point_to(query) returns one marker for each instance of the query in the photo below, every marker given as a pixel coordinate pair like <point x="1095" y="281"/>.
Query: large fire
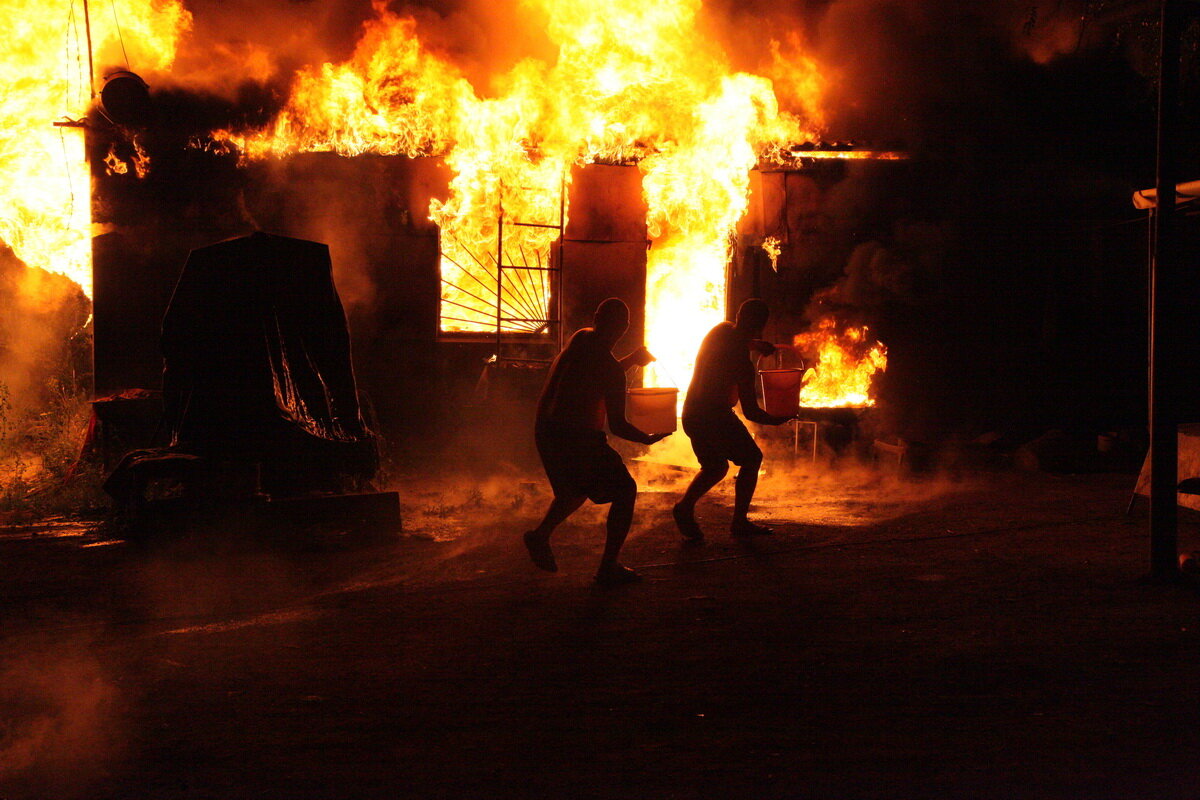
<point x="845" y="362"/>
<point x="633" y="82"/>
<point x="45" y="216"/>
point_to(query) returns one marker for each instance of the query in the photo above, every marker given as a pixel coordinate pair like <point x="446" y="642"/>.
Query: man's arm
<point x="750" y="408"/>
<point x="614" y="406"/>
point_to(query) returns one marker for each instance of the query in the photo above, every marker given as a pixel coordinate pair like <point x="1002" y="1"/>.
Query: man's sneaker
<point x="747" y="528"/>
<point x="616" y="575"/>
<point x="540" y="552"/>
<point x="687" y="524"/>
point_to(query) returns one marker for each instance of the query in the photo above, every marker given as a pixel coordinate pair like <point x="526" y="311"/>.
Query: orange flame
<point x="846" y="361"/>
<point x="632" y="81"/>
<point x="44" y="182"/>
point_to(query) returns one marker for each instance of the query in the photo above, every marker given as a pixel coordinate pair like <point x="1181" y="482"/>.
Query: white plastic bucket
<point x="652" y="410"/>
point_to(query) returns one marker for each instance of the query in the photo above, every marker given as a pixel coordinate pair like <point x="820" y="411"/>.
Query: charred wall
<point x="372" y="211"/>
<point x="604" y="254"/>
<point x="989" y="311"/>
<point x="148" y="226"/>
<point x="869" y="239"/>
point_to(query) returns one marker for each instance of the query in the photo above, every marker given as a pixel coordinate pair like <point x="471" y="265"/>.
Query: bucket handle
<point x="780" y="349"/>
<point x="639" y="371"/>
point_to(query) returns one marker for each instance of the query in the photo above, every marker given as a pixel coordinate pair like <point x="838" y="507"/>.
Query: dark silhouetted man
<point x="586" y="385"/>
<point x="723" y="377"/>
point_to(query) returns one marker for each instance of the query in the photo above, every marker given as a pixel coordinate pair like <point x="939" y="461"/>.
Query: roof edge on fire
<point x="798" y="156"/>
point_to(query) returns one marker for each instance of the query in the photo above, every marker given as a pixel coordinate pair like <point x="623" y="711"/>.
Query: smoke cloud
<point x="61" y="729"/>
<point x="265" y="43"/>
<point x="42" y="316"/>
<point x="890" y="69"/>
<point x="880" y="60"/>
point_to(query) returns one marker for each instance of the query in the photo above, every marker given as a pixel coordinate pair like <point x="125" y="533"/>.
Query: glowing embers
<point x="802" y="155"/>
<point x="120" y="159"/>
<point x="844" y="362"/>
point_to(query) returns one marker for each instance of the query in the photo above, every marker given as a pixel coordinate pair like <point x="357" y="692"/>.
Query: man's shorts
<point x="718" y="437"/>
<point x="578" y="461"/>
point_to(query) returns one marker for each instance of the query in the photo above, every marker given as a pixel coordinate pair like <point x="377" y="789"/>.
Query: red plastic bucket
<point x="781" y="390"/>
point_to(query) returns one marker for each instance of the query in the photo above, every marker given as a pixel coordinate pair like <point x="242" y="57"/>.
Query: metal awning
<point x="1185" y="193"/>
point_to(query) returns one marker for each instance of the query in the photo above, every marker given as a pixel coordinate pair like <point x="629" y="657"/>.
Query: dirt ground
<point x="985" y="637"/>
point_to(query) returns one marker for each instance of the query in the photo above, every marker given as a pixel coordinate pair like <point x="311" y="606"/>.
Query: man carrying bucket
<point x="587" y="384"/>
<point x="723" y="377"/>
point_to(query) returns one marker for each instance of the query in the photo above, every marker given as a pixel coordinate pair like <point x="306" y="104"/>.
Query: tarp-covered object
<point x="257" y="362"/>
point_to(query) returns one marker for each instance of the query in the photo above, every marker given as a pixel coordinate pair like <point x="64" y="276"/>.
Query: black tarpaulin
<point x="257" y="358"/>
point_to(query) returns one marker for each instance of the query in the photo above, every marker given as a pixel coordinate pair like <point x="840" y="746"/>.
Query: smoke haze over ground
<point x="62" y="729"/>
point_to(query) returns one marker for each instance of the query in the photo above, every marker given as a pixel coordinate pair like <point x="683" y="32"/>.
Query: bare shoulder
<point x="610" y="372"/>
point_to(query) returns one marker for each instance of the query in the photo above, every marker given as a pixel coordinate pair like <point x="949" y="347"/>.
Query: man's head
<point x="752" y="317"/>
<point x="611" y="320"/>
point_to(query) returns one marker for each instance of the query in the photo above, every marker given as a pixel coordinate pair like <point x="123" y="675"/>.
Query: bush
<point x="41" y="470"/>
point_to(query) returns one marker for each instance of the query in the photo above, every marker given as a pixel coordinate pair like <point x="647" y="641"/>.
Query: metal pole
<point x="499" y="272"/>
<point x="1164" y="298"/>
<point x="562" y="259"/>
<point x="87" y="26"/>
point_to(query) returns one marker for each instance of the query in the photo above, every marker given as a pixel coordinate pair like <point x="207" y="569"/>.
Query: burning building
<point x="468" y="220"/>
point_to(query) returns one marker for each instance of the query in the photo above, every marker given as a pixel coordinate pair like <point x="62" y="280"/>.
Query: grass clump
<point x="42" y="472"/>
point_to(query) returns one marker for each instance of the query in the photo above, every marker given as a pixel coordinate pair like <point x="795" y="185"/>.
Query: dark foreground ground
<point x="984" y="639"/>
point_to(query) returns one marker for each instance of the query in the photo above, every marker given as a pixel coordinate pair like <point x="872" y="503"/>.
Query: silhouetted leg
<point x="744" y="485"/>
<point x="620" y="518"/>
<point x="705" y="479"/>
<point x="537" y="541"/>
<point x="560" y="509"/>
<point x="685" y="510"/>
